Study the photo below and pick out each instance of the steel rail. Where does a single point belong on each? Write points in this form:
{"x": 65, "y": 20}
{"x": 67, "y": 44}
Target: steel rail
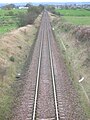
{"x": 37, "y": 80}
{"x": 53, "y": 75}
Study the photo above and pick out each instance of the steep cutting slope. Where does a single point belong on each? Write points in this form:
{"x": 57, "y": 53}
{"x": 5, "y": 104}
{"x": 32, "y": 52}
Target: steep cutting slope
{"x": 14, "y": 51}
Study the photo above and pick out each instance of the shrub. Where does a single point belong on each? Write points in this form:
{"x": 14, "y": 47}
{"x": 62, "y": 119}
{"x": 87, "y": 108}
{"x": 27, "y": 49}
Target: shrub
{"x": 12, "y": 59}
{"x": 20, "y": 47}
{"x": 10, "y": 13}
{"x": 25, "y": 19}
{"x": 30, "y": 16}
{"x": 82, "y": 34}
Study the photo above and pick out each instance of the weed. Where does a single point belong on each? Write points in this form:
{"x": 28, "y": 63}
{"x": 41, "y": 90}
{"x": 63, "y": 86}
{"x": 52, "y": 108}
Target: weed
{"x": 20, "y": 47}
{"x": 12, "y": 59}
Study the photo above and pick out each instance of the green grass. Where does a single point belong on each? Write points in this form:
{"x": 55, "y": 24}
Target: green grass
{"x": 77, "y": 17}
{"x": 5, "y": 105}
{"x": 72, "y": 12}
{"x": 78, "y": 20}
{"x": 15, "y": 11}
{"x": 7, "y": 28}
{"x": 9, "y": 19}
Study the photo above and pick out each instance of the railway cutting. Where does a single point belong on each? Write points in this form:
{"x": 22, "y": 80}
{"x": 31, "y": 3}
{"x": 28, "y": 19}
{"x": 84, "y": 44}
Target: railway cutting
{"x": 48, "y": 93}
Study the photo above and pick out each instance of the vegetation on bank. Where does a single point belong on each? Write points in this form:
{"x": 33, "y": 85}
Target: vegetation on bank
{"x": 74, "y": 41}
{"x": 14, "y": 51}
{"x": 13, "y": 18}
{"x": 9, "y": 19}
{"x": 14, "y": 48}
{"x": 30, "y": 16}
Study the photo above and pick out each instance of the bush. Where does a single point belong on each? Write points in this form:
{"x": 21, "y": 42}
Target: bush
{"x": 30, "y": 16}
{"x": 10, "y": 13}
{"x": 51, "y": 9}
{"x": 12, "y": 59}
{"x": 25, "y": 19}
{"x": 82, "y": 33}
{"x": 20, "y": 47}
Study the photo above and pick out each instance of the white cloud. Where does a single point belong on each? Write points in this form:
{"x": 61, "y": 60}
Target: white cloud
{"x": 16, "y": 1}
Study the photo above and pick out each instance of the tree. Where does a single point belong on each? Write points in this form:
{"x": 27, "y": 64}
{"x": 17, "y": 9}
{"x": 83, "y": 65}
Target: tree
{"x": 51, "y": 8}
{"x": 41, "y": 6}
{"x": 30, "y": 16}
{"x": 9, "y": 6}
{"x": 28, "y": 5}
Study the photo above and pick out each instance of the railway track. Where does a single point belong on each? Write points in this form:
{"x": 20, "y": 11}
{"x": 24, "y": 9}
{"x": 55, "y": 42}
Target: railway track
{"x": 48, "y": 92}
{"x": 45, "y": 48}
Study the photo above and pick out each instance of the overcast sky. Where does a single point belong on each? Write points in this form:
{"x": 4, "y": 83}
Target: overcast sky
{"x": 18, "y": 1}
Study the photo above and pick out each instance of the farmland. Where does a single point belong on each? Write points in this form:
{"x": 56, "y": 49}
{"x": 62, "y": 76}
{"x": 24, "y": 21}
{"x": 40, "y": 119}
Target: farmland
{"x": 77, "y": 17}
{"x": 9, "y": 20}
{"x": 78, "y": 20}
{"x": 74, "y": 12}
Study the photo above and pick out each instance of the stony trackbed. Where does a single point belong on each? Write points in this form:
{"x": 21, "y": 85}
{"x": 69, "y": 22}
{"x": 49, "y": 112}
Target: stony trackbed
{"x": 48, "y": 93}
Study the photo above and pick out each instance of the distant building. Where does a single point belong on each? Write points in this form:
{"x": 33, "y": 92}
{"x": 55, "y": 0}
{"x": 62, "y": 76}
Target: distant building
{"x": 23, "y": 7}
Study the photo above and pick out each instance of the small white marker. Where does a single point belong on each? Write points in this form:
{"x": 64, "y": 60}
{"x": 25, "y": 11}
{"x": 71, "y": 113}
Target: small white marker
{"x": 19, "y": 74}
{"x": 81, "y": 79}
{"x": 53, "y": 29}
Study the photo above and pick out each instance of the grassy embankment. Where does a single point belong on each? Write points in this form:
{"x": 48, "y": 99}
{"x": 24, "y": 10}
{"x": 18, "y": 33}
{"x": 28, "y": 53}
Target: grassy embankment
{"x": 14, "y": 50}
{"x": 9, "y": 19}
{"x": 74, "y": 41}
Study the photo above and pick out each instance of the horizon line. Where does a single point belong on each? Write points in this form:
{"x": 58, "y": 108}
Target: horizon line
{"x": 45, "y": 2}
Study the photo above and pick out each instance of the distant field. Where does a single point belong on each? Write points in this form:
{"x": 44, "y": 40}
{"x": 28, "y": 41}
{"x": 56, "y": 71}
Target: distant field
{"x": 77, "y": 17}
{"x": 71, "y": 12}
{"x": 8, "y": 19}
{"x": 78, "y": 20}
{"x": 7, "y": 12}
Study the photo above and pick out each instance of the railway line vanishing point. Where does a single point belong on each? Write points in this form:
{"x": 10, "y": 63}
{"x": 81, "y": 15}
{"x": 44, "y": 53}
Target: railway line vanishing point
{"x": 48, "y": 93}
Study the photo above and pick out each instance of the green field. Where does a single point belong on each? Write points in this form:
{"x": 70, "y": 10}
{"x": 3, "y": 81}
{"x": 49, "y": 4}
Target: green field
{"x": 9, "y": 19}
{"x": 15, "y": 11}
{"x": 78, "y": 20}
{"x": 7, "y": 23}
{"x": 77, "y": 17}
{"x": 72, "y": 12}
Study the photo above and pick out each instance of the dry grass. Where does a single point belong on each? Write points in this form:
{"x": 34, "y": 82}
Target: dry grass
{"x": 76, "y": 52}
{"x": 14, "y": 50}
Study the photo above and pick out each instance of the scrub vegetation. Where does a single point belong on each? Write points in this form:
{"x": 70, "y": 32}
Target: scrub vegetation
{"x": 15, "y": 47}
{"x": 74, "y": 41}
{"x": 13, "y": 18}
{"x": 9, "y": 19}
